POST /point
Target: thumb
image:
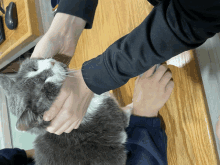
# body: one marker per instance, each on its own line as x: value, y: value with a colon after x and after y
x: 56, y: 106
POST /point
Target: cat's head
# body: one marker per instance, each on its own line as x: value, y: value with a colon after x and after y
x: 32, y: 91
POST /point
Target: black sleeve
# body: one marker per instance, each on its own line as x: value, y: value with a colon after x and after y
x: 171, y: 28
x: 84, y: 9
x: 13, y: 156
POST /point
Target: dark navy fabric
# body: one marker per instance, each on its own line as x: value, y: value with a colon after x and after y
x: 147, y: 142
x: 14, y: 156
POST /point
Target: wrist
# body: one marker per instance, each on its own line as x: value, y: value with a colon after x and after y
x: 65, y: 30
x: 65, y: 24
x: 145, y: 113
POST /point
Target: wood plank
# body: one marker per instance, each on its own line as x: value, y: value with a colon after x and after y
x: 185, y: 115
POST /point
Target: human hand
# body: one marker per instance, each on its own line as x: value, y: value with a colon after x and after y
x: 68, y: 110
x: 30, y: 153
x: 61, y: 38
x: 152, y: 91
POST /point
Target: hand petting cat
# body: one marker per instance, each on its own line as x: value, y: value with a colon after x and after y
x: 71, y: 105
x: 68, y: 110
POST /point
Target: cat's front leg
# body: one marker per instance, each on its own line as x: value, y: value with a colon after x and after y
x: 127, y: 111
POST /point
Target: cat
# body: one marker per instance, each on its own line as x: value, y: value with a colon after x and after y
x: 100, y: 138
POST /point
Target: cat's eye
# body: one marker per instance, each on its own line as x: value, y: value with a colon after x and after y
x: 34, y: 69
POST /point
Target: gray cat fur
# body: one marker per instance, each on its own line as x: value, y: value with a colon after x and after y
x: 97, y: 141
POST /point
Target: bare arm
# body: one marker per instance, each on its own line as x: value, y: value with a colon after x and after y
x: 66, y: 29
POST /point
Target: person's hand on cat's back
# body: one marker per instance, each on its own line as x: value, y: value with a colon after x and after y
x: 68, y: 110
x: 151, y: 92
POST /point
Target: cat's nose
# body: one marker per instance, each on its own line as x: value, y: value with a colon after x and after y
x: 52, y: 63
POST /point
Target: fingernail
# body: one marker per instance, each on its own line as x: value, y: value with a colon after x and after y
x: 50, y: 130
x: 47, y: 118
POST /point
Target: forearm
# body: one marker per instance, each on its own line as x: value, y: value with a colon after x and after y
x: 61, y: 38
x: 68, y: 27
x: 161, y: 36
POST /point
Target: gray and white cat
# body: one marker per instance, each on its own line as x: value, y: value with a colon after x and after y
x: 100, y: 138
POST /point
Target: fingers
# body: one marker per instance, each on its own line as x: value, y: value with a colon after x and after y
x: 167, y: 83
x: 68, y: 126
x: 169, y: 88
x: 56, y: 106
x: 61, y: 115
x: 73, y: 126
x: 149, y: 72
x: 66, y: 118
x: 166, y: 78
x: 160, y: 72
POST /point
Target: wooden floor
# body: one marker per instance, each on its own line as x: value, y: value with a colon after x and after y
x: 186, y: 121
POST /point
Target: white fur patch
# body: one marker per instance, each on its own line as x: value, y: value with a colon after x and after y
x: 59, y: 71
x: 59, y: 74
x: 128, y: 110
x: 18, y: 130
x: 96, y: 101
x: 123, y: 137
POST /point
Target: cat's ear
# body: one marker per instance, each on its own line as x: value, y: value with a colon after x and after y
x: 6, y: 83
x: 26, y: 121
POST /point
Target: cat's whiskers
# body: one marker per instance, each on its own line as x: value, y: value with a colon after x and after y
x: 70, y: 76
x: 71, y: 71
x: 28, y: 78
x: 25, y: 81
x: 67, y: 72
x: 34, y: 81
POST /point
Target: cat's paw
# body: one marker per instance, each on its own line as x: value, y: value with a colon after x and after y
x: 128, y: 109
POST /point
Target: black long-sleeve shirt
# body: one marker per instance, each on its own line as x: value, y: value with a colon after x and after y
x: 172, y: 27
